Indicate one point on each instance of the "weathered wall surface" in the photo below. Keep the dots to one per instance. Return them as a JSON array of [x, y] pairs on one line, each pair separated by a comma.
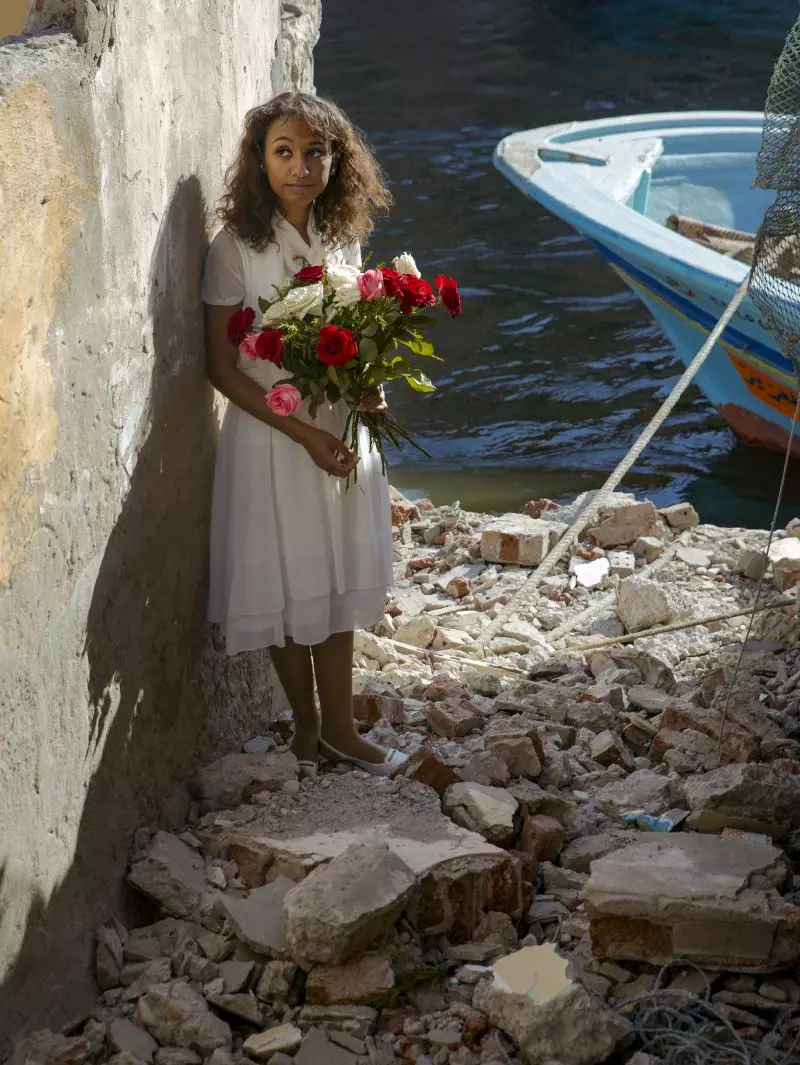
[[116, 122]]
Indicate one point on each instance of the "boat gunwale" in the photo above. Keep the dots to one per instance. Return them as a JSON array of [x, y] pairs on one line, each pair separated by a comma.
[[571, 200]]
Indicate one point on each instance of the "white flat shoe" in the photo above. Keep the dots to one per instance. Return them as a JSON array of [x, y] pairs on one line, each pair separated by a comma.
[[307, 770], [388, 767]]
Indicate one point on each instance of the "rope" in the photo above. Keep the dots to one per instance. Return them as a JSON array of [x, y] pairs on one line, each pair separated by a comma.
[[571, 536], [760, 585], [678, 626], [680, 1028]]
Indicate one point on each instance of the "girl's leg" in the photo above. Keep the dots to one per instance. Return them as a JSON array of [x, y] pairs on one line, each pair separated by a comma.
[[296, 674], [333, 666]]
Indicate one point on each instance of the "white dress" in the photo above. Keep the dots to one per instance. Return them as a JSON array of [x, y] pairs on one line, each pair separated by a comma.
[[294, 552]]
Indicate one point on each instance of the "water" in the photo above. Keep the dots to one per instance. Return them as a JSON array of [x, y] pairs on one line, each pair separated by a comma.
[[554, 367]]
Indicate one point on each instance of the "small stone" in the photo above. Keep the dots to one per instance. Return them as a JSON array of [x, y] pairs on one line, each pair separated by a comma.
[[622, 564], [444, 1037], [773, 992], [176, 1015], [608, 749], [643, 604], [680, 516], [641, 790], [258, 919], [417, 632], [173, 875], [263, 1046], [426, 767], [692, 556], [363, 982], [648, 547], [276, 980], [591, 574], [178, 1056], [244, 1006], [108, 958], [542, 836], [127, 1037], [489, 811], [519, 754], [347, 1042], [317, 1049], [216, 877], [751, 564], [237, 975], [453, 721], [615, 973]]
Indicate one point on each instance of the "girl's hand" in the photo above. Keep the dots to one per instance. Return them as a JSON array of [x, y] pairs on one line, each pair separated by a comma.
[[374, 402], [330, 454]]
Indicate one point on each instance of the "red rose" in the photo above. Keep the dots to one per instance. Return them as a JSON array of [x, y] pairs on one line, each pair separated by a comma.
[[418, 293], [448, 290], [336, 346], [269, 345], [239, 323], [309, 275], [394, 283]]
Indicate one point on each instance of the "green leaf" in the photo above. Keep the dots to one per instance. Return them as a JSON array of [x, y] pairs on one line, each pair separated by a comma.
[[368, 350], [370, 331], [419, 381], [333, 377], [263, 304], [419, 346]]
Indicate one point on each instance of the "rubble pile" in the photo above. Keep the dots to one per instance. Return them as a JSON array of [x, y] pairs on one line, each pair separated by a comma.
[[571, 819]]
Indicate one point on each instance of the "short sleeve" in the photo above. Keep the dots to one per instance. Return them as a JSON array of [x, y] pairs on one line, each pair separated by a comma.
[[224, 273]]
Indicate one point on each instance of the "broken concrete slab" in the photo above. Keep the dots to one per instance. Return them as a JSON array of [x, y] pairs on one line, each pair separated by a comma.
[[713, 901], [458, 872], [258, 919], [236, 778], [489, 811], [346, 905], [176, 1015], [549, 1017], [173, 875], [751, 797]]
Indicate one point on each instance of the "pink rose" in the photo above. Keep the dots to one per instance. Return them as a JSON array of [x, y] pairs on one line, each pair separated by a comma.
[[370, 285], [283, 399], [248, 346]]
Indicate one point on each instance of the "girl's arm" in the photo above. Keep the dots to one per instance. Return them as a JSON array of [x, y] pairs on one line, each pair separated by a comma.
[[329, 453]]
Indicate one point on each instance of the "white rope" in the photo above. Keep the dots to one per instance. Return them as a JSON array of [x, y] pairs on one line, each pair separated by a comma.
[[571, 536]]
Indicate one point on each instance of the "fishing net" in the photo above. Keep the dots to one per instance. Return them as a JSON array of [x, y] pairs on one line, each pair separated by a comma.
[[775, 277]]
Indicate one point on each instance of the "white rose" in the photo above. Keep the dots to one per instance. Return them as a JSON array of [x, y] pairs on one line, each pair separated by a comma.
[[307, 299], [344, 282], [404, 264]]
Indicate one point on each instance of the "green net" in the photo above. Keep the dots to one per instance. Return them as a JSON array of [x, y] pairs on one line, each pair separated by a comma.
[[775, 277]]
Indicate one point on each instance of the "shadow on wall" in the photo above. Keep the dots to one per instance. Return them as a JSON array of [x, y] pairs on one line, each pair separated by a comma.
[[145, 635]]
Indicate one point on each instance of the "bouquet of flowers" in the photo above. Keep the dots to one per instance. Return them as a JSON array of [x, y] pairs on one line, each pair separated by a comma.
[[341, 334]]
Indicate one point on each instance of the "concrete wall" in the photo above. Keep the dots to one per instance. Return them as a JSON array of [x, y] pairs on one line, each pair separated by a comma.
[[116, 122]]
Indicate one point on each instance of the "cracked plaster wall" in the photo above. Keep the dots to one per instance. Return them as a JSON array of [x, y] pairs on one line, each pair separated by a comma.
[[116, 123]]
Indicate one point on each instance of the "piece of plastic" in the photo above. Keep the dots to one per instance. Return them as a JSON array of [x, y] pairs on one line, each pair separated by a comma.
[[652, 823]]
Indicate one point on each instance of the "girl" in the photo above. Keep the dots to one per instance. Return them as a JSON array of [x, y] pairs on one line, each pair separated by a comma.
[[298, 561]]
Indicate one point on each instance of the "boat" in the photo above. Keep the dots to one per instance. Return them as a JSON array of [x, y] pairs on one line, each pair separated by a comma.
[[669, 201]]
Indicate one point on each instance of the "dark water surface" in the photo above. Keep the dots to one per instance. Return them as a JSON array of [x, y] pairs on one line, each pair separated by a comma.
[[555, 367]]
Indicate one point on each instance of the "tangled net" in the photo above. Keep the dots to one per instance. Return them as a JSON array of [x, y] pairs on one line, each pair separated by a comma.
[[679, 1028]]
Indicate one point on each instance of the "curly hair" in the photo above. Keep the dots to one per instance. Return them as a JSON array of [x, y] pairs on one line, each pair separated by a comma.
[[356, 192]]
